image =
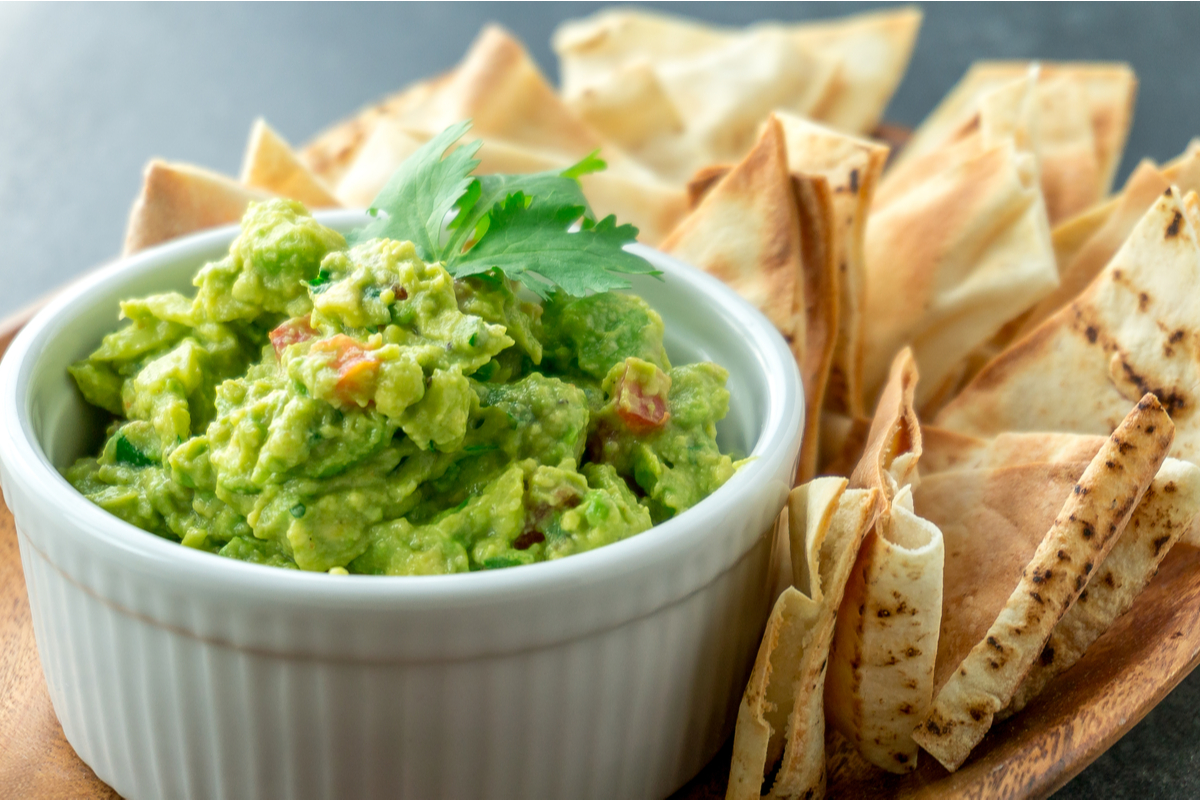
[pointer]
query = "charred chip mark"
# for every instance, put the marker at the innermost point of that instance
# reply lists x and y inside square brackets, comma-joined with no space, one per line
[992,641]
[933,727]
[1143,301]
[854,180]
[1062,556]
[1087,530]
[1047,657]
[1037,597]
[900,757]
[911,652]
[1092,333]
[1173,228]
[906,708]
[1159,542]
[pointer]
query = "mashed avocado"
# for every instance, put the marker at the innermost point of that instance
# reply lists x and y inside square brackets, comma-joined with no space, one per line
[319,406]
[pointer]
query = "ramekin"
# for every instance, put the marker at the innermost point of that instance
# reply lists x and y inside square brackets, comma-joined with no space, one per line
[610,674]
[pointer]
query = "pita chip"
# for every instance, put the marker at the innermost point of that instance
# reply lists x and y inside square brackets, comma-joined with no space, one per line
[782,712]
[741,232]
[1071,235]
[270,165]
[746,231]
[865,55]
[632,108]
[1133,330]
[725,94]
[1166,513]
[1105,91]
[656,209]
[500,88]
[1097,508]
[1066,148]
[842,442]
[946,450]
[383,151]
[880,675]
[178,199]
[1000,496]
[853,167]
[1141,190]
[821,312]
[957,246]
[332,151]
[872,51]
[590,49]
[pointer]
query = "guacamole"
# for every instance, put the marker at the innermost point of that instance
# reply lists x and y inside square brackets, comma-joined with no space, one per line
[334,408]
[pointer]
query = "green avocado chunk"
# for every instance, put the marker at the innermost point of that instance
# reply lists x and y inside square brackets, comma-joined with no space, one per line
[322,407]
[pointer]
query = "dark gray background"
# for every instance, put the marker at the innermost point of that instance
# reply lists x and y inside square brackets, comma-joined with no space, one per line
[89,93]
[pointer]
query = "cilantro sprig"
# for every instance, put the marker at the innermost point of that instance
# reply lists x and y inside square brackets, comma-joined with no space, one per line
[537,228]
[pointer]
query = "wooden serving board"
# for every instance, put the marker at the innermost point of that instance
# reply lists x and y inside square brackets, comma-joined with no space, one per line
[1123,675]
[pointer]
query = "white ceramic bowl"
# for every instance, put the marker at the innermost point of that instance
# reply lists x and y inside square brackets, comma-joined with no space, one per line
[178,674]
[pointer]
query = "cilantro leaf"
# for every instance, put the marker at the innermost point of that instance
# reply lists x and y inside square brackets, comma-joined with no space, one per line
[475,209]
[421,193]
[537,229]
[590,163]
[531,241]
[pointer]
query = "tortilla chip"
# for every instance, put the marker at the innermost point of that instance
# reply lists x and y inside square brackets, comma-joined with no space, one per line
[178,199]
[1133,330]
[872,51]
[1166,513]
[746,232]
[782,711]
[332,151]
[655,209]
[853,167]
[880,677]
[1107,91]
[958,244]
[978,685]
[270,165]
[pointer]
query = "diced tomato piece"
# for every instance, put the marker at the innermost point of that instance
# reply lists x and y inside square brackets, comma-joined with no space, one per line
[640,410]
[297,329]
[356,366]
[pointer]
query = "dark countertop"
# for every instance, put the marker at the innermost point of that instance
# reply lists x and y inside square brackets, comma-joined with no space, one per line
[89,92]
